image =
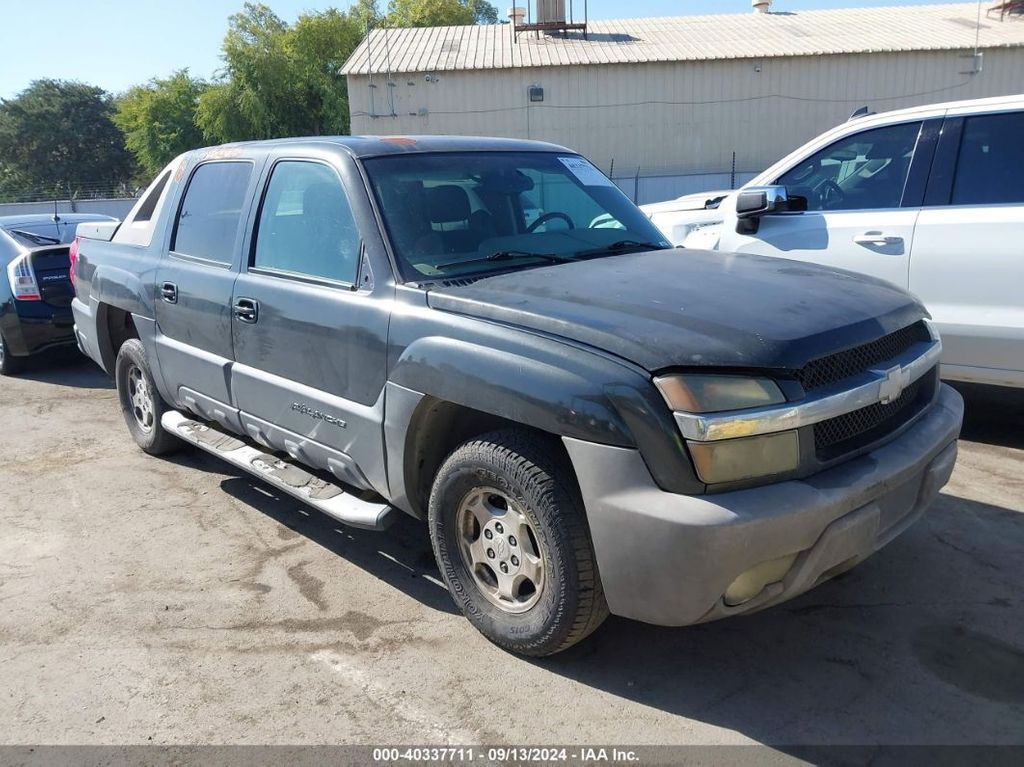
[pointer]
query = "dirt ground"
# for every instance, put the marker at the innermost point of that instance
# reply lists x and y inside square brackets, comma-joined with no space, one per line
[172,601]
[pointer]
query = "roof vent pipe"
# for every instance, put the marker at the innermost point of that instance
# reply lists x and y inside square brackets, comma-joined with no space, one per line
[761,6]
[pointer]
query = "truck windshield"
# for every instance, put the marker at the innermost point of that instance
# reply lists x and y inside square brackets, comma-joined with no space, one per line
[460,214]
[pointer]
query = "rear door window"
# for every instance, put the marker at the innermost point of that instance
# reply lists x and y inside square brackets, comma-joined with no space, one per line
[865,171]
[990,169]
[211,211]
[306,225]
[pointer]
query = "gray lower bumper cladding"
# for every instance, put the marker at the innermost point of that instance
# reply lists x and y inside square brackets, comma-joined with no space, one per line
[669,559]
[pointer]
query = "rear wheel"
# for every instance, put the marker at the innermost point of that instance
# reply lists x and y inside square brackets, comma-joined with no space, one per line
[141,403]
[9,364]
[511,539]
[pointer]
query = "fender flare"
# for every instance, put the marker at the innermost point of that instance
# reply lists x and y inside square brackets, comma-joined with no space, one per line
[567,399]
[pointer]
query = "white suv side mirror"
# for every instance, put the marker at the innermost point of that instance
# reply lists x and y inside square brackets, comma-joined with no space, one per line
[757,201]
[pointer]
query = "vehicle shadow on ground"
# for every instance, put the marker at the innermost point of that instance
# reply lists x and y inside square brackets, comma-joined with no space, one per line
[993,415]
[401,556]
[65,368]
[921,643]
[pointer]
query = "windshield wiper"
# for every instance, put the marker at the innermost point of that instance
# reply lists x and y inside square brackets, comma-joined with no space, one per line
[38,239]
[621,247]
[507,255]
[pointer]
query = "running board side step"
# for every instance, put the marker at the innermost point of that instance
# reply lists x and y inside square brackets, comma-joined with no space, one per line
[332,499]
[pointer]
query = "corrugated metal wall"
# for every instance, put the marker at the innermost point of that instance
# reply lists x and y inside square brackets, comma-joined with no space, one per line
[679,120]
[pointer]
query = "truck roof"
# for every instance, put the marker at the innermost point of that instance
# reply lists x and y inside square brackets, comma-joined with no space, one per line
[374,146]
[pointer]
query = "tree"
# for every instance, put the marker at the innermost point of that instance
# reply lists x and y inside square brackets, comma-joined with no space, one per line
[318,45]
[219,115]
[440,13]
[158,120]
[57,135]
[284,80]
[281,80]
[484,12]
[366,15]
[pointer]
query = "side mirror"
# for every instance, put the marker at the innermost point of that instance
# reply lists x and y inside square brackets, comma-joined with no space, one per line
[761,201]
[758,201]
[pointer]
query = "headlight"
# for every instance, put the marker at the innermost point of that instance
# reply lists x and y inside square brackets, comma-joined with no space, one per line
[710,393]
[732,460]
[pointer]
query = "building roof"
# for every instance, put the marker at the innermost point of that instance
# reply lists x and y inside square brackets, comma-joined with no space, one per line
[688,38]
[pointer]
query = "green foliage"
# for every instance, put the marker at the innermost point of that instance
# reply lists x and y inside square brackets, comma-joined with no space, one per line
[483,12]
[365,14]
[281,80]
[158,120]
[55,135]
[318,46]
[440,13]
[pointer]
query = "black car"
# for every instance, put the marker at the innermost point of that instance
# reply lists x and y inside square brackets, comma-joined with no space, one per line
[35,297]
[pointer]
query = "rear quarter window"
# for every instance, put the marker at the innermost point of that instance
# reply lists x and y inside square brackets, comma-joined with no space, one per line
[140,223]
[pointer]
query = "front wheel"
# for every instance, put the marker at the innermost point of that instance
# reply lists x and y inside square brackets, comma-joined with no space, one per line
[510,536]
[141,403]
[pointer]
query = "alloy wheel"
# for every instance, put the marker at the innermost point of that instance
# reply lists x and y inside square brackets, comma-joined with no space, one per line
[141,398]
[500,549]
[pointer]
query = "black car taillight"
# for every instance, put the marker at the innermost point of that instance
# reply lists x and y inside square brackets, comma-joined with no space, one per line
[23,282]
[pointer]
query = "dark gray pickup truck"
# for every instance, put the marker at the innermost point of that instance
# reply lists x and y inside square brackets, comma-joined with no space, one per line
[487,334]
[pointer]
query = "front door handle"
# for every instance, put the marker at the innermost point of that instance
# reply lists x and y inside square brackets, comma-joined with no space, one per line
[169,292]
[877,239]
[247,310]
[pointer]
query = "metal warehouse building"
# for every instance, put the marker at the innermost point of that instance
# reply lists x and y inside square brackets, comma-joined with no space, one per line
[662,104]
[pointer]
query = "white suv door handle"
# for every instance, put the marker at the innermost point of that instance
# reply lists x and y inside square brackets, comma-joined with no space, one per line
[877,239]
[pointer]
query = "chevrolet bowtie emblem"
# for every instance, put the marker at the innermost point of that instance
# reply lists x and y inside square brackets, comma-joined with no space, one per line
[894,381]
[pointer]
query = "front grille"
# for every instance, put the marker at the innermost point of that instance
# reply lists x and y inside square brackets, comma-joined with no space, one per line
[836,367]
[849,432]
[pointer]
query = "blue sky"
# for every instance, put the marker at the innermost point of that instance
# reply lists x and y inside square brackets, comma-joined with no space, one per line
[118,43]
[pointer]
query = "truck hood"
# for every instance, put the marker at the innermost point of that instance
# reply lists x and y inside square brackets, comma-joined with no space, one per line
[690,308]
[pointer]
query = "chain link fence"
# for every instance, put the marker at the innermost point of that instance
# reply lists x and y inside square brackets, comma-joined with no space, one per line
[106,199]
[70,193]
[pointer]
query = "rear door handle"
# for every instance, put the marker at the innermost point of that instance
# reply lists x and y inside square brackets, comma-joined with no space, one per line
[877,239]
[169,292]
[247,310]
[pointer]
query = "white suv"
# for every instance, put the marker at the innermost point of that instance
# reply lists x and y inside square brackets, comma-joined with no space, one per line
[930,198]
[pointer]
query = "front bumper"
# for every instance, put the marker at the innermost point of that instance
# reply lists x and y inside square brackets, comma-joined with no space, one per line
[668,559]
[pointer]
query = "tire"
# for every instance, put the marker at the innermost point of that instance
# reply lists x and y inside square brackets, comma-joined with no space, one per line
[9,364]
[509,499]
[141,403]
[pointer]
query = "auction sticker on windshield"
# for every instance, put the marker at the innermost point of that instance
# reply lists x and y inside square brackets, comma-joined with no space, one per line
[587,174]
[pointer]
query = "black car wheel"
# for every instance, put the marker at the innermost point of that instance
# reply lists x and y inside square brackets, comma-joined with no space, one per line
[9,364]
[141,403]
[510,536]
